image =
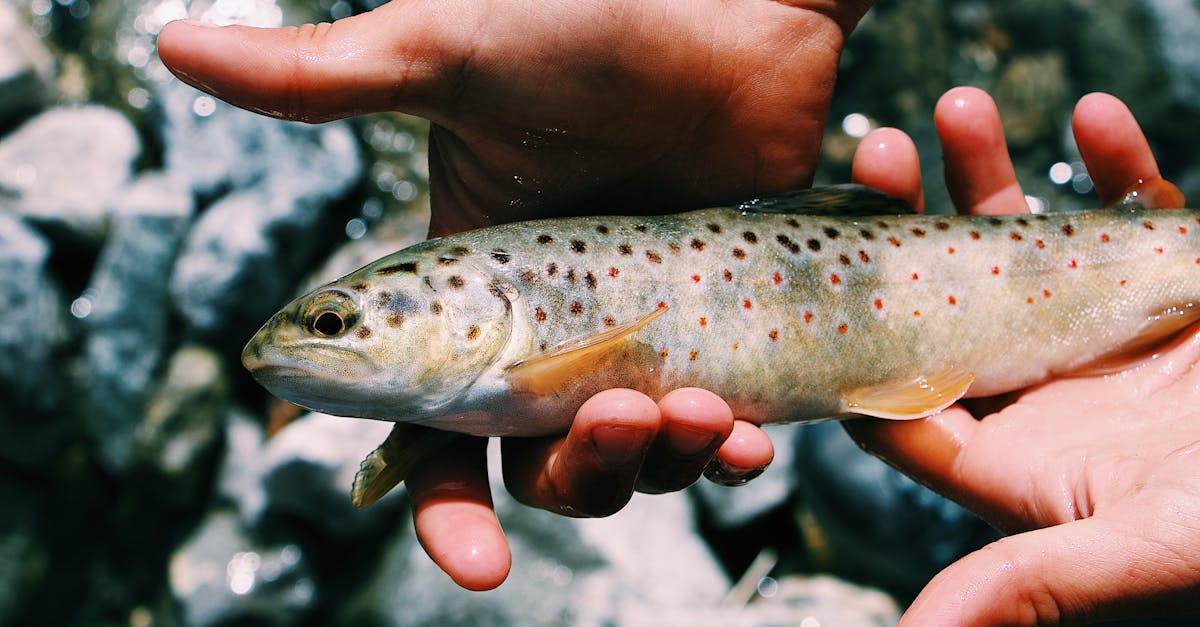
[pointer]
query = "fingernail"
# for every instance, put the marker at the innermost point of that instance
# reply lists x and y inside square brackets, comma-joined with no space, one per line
[689,440]
[721,473]
[620,445]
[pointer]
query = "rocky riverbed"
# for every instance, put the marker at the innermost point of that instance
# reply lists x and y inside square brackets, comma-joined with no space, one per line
[146,230]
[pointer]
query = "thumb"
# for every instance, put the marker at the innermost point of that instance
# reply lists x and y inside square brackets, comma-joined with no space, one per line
[381,60]
[1086,570]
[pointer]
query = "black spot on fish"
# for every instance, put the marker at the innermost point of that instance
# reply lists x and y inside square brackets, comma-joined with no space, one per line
[625,249]
[697,244]
[409,267]
[460,251]
[383,300]
[602,229]
[793,222]
[844,259]
[609,321]
[814,245]
[455,282]
[941,225]
[1069,230]
[472,332]
[501,255]
[590,280]
[435,308]
[576,308]
[653,257]
[831,232]
[714,227]
[738,253]
[578,246]
[727,275]
[363,332]
[641,228]
[571,276]
[359,287]
[994,221]
[1022,221]
[446,261]
[750,237]
[975,235]
[674,248]
[395,319]
[544,239]
[867,235]
[539,314]
[1148,225]
[787,243]
[864,257]
[528,275]
[1041,217]
[918,232]
[551,269]
[882,224]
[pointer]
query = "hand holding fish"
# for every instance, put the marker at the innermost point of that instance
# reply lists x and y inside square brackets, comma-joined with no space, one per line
[1097,477]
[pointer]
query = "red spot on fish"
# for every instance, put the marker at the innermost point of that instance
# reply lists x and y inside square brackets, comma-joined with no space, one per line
[950,250]
[747,304]
[735,346]
[703,321]
[917,313]
[613,272]
[728,275]
[1047,293]
[776,278]
[952,300]
[1183,230]
[693,355]
[843,328]
[664,353]
[995,269]
[879,303]
[863,257]
[893,241]
[738,253]
[1123,281]
[1148,225]
[1104,238]
[774,335]
[915,276]
[1029,300]
[609,321]
[695,278]
[539,314]
[975,235]
[1072,264]
[1158,249]
[808,317]
[835,279]
[662,305]
[1016,237]
[1040,244]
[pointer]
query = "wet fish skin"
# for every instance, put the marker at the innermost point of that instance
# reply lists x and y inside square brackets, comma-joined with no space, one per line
[789,317]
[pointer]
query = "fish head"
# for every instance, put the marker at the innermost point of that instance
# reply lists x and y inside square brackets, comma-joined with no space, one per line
[400,339]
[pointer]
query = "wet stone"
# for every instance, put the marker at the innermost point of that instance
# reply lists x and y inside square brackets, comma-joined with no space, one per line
[732,507]
[221,576]
[63,168]
[26,67]
[126,344]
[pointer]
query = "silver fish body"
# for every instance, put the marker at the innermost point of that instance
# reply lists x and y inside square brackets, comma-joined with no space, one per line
[788,316]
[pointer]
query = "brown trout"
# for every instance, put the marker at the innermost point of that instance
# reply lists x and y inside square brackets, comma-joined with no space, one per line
[814,305]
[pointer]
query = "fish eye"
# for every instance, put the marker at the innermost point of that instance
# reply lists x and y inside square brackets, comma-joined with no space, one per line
[328,324]
[331,314]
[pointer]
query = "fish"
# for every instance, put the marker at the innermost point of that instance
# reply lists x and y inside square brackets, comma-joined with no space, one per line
[815,305]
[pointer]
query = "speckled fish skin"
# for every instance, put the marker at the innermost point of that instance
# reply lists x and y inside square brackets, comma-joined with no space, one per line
[786,316]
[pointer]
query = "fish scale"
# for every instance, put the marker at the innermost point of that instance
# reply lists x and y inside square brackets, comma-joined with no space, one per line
[790,309]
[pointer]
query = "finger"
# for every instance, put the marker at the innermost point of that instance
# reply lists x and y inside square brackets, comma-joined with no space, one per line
[979,172]
[454,517]
[375,61]
[1082,571]
[745,454]
[695,423]
[593,470]
[1113,148]
[886,159]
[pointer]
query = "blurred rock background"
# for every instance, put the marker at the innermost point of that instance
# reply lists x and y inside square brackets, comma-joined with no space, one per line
[146,230]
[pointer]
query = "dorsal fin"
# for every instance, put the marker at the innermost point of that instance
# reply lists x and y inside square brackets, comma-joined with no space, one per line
[544,374]
[832,200]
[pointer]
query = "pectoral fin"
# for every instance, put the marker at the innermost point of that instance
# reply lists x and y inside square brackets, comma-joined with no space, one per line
[543,374]
[389,464]
[918,398]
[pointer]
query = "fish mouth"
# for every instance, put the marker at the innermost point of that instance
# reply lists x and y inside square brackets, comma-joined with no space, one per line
[332,364]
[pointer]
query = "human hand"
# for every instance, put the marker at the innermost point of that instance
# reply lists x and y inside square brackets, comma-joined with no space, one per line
[563,107]
[1097,477]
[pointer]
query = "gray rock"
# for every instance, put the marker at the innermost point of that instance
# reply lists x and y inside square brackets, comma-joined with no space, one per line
[250,248]
[647,560]
[33,330]
[129,308]
[863,519]
[221,576]
[63,168]
[26,67]
[304,473]
[184,420]
[729,508]
[1177,22]
[17,543]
